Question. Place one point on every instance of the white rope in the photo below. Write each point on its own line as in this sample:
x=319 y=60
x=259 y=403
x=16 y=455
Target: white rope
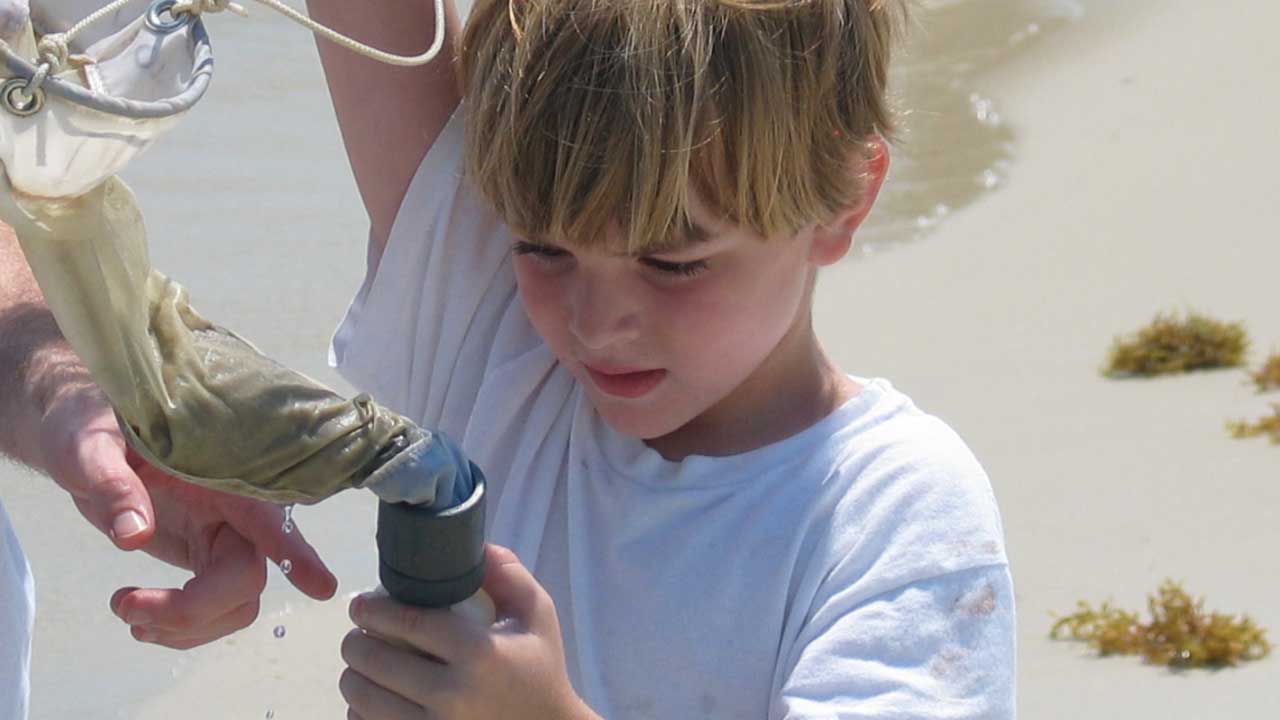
x=197 y=7
x=63 y=38
x=359 y=47
x=53 y=48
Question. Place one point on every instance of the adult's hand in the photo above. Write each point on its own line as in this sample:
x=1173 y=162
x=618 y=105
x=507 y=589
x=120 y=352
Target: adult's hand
x=222 y=539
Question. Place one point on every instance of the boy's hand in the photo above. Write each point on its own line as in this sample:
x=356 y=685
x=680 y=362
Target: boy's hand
x=513 y=668
x=221 y=538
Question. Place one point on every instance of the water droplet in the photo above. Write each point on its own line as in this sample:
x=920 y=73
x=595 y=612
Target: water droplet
x=288 y=519
x=989 y=179
x=286 y=565
x=279 y=631
x=984 y=110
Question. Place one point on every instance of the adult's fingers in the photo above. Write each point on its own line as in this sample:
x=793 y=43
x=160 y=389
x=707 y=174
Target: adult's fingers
x=238 y=619
x=233 y=575
x=263 y=525
x=106 y=489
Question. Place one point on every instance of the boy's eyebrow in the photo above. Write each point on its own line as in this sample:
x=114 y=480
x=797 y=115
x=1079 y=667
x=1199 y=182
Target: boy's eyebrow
x=695 y=235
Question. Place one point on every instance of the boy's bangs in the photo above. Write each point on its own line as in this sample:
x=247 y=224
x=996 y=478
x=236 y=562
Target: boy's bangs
x=604 y=187
x=595 y=136
x=591 y=124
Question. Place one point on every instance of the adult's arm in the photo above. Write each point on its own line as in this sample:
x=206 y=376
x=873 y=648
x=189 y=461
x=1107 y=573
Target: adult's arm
x=389 y=116
x=55 y=419
x=37 y=367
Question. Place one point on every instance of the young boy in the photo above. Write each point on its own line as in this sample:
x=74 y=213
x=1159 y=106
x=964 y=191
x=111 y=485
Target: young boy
x=598 y=280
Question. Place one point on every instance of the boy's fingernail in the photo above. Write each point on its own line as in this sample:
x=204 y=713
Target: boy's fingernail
x=139 y=617
x=145 y=635
x=127 y=524
x=356 y=607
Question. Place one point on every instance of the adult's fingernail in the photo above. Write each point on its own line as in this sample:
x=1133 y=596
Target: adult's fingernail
x=127 y=524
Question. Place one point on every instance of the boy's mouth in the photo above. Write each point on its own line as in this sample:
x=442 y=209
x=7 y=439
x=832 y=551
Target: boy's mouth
x=626 y=384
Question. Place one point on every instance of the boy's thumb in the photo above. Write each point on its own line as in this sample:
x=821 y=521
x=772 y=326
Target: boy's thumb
x=515 y=592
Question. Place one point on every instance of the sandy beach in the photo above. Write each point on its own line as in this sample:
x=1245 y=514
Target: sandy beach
x=1068 y=170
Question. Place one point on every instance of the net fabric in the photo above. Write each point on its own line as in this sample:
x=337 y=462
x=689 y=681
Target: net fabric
x=192 y=397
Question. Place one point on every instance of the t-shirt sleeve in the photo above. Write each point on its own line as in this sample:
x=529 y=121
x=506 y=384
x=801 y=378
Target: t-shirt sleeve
x=907 y=609
x=440 y=307
x=939 y=648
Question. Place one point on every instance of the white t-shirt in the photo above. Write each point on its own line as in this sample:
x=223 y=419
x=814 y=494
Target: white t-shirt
x=854 y=570
x=17 y=613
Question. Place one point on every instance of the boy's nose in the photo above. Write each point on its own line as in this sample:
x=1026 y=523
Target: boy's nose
x=601 y=316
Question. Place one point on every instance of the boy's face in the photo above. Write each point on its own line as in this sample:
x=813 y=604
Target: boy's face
x=660 y=340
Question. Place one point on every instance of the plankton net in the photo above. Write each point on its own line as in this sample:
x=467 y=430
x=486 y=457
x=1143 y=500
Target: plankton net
x=84 y=88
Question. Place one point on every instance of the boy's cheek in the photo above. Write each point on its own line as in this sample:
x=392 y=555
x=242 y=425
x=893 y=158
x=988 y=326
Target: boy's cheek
x=545 y=307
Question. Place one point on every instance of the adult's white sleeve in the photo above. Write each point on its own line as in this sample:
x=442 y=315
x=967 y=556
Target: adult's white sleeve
x=429 y=318
x=17 y=618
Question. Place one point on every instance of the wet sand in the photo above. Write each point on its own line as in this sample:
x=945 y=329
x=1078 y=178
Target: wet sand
x=1094 y=171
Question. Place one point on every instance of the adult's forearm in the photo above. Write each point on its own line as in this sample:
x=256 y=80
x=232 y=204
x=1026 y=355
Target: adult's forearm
x=37 y=366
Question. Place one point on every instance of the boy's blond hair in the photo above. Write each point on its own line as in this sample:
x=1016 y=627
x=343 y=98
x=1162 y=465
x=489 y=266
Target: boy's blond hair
x=587 y=113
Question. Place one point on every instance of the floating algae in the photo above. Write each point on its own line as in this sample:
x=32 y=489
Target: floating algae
x=1267 y=377
x=1180 y=634
x=1265 y=425
x=1173 y=345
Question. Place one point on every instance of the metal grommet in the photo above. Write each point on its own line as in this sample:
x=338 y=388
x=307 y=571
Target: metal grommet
x=160 y=17
x=17 y=100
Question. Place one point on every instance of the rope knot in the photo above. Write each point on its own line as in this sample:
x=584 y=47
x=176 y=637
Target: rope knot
x=53 y=50
x=197 y=7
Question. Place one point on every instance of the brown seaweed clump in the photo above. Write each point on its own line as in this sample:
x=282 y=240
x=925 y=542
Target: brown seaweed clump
x=1268 y=376
x=1180 y=635
x=1265 y=425
x=1172 y=345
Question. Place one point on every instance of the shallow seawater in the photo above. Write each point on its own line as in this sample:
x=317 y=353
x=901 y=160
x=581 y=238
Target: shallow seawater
x=953 y=145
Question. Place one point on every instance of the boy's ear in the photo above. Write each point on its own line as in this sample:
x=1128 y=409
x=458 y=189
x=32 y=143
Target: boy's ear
x=833 y=239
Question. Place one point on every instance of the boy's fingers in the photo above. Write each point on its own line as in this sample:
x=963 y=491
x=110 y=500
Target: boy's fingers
x=515 y=592
x=402 y=671
x=436 y=632
x=263 y=525
x=369 y=699
x=234 y=576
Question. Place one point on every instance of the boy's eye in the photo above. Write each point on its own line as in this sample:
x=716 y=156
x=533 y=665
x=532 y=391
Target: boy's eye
x=684 y=269
x=542 y=252
x=550 y=253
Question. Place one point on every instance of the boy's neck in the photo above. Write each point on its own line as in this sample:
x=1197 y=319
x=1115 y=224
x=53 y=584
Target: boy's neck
x=796 y=386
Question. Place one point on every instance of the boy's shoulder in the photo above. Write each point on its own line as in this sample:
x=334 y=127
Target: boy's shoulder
x=882 y=434
x=903 y=494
